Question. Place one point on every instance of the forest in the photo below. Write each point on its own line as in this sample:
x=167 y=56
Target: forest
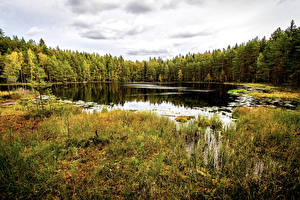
x=237 y=140
x=275 y=60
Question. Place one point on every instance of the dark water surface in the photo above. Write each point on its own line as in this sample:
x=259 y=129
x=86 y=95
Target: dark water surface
x=185 y=94
x=167 y=99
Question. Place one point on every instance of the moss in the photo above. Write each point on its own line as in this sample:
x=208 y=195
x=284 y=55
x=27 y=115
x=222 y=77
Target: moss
x=273 y=92
x=184 y=119
x=238 y=91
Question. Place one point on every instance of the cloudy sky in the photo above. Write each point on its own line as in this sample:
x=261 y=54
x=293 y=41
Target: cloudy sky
x=139 y=29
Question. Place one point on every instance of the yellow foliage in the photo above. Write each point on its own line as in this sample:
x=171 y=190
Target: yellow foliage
x=184 y=118
x=276 y=94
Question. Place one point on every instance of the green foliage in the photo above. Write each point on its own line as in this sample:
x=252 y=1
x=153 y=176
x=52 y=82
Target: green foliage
x=236 y=91
x=259 y=60
x=214 y=122
x=16 y=94
x=179 y=75
x=12 y=66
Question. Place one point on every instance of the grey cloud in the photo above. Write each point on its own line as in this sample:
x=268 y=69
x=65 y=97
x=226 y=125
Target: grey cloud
x=173 y=4
x=194 y=2
x=177 y=44
x=109 y=34
x=281 y=1
x=133 y=6
x=95 y=35
x=147 y=52
x=138 y=7
x=35 y=31
x=81 y=24
x=90 y=6
x=191 y=34
x=134 y=31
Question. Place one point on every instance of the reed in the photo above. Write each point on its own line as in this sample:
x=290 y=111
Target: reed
x=126 y=155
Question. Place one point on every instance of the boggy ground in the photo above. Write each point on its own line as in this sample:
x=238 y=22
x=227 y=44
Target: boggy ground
x=55 y=151
x=266 y=91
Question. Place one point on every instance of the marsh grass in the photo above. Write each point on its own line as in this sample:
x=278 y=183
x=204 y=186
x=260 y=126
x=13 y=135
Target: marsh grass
x=69 y=154
x=238 y=91
x=272 y=92
x=277 y=95
x=18 y=94
x=258 y=159
x=262 y=154
x=184 y=119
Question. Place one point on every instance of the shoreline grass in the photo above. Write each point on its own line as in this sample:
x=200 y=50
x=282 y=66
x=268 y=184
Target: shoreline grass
x=15 y=95
x=270 y=92
x=59 y=152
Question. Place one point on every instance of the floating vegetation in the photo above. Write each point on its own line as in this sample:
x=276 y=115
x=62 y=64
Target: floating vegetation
x=184 y=119
x=272 y=93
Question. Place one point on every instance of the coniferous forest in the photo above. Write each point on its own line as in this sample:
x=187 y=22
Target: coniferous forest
x=275 y=60
x=182 y=140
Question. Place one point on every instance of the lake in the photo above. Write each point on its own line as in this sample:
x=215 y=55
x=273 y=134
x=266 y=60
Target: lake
x=167 y=99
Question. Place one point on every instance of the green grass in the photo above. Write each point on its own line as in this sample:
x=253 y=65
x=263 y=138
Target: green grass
x=268 y=136
x=238 y=91
x=16 y=95
x=58 y=152
x=273 y=92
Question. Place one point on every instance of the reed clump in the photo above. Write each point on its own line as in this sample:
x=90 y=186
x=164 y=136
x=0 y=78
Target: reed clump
x=126 y=155
x=14 y=95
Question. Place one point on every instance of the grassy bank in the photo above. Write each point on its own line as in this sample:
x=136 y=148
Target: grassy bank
x=16 y=95
x=56 y=151
x=269 y=91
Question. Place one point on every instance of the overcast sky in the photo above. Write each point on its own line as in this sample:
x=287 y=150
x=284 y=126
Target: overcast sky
x=139 y=29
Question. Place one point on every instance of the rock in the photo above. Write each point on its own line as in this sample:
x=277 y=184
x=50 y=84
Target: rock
x=290 y=106
x=9 y=103
x=261 y=90
x=226 y=110
x=275 y=102
x=68 y=101
x=80 y=103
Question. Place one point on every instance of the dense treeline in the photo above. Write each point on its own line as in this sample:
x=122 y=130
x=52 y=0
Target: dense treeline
x=276 y=60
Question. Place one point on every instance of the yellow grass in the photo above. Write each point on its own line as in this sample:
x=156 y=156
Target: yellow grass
x=276 y=95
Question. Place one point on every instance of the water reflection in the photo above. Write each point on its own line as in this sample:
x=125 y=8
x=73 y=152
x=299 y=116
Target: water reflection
x=187 y=95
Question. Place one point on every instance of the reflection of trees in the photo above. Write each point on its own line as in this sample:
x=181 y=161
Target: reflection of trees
x=107 y=93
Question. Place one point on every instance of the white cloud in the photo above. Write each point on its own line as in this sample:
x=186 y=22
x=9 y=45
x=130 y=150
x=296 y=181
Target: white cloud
x=138 y=29
x=190 y=34
x=91 y=6
x=147 y=52
x=110 y=29
x=33 y=31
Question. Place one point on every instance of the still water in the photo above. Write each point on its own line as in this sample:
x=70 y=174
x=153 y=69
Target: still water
x=168 y=99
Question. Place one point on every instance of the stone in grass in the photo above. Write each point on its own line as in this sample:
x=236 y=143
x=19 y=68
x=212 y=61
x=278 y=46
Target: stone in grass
x=184 y=119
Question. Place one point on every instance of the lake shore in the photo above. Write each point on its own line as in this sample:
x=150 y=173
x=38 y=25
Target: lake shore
x=54 y=150
x=206 y=82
